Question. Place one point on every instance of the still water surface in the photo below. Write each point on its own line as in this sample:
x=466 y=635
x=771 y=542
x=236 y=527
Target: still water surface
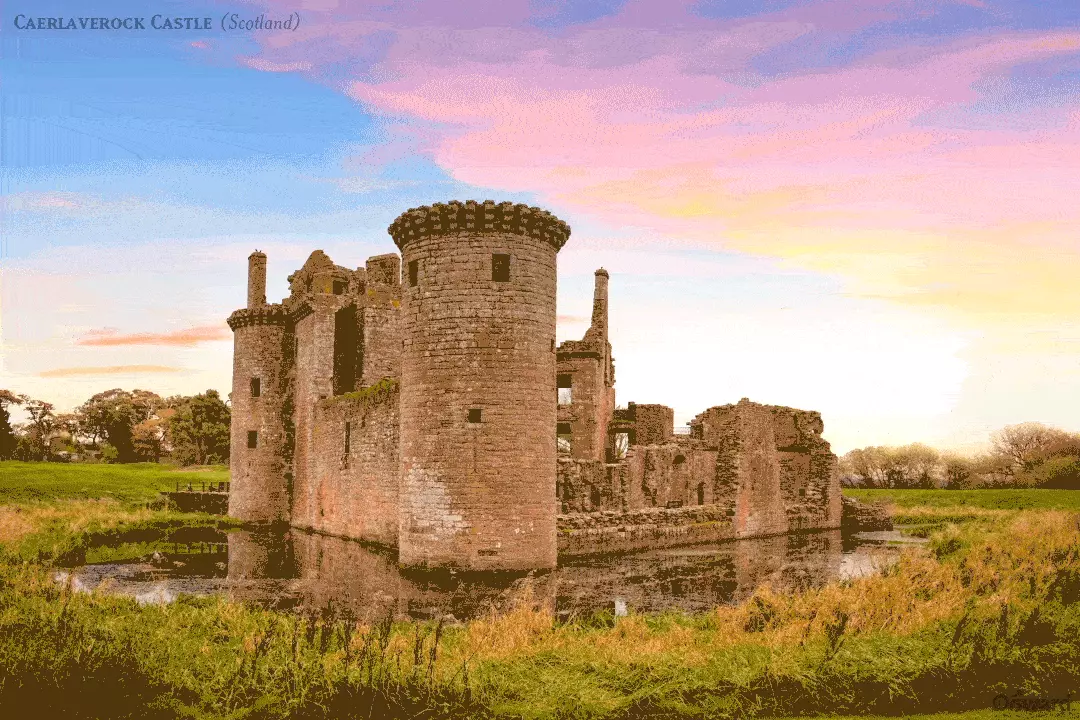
x=315 y=572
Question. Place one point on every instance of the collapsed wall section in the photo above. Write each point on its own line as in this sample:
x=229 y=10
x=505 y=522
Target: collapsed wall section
x=748 y=470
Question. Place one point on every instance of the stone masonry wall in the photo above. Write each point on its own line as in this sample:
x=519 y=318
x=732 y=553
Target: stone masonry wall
x=750 y=471
x=355 y=494
x=782 y=469
x=381 y=319
x=653 y=424
x=478 y=494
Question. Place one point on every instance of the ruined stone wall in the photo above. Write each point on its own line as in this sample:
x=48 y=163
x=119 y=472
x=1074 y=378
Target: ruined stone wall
x=670 y=475
x=591 y=406
x=653 y=424
x=610 y=531
x=312 y=381
x=381 y=319
x=318 y=291
x=478 y=494
x=782 y=471
x=354 y=492
x=259 y=492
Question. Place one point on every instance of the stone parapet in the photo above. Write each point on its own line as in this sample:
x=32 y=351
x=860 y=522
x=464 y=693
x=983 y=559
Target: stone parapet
x=264 y=315
x=471 y=216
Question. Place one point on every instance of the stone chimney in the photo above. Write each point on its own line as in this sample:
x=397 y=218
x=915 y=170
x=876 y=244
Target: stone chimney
x=256 y=279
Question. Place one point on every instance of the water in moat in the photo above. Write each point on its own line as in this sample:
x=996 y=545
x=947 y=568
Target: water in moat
x=317 y=573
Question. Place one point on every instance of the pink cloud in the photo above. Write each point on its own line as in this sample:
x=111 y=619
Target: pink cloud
x=645 y=118
x=180 y=338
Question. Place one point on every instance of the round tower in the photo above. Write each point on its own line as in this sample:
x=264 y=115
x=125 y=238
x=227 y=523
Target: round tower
x=258 y=490
x=478 y=398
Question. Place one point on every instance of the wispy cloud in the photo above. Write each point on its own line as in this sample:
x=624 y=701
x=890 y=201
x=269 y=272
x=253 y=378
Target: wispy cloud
x=109 y=370
x=110 y=337
x=268 y=66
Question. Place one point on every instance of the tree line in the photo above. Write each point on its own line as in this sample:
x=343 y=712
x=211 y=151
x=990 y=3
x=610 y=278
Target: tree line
x=1020 y=456
x=119 y=426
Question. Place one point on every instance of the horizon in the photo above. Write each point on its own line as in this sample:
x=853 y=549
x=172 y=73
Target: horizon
x=859 y=207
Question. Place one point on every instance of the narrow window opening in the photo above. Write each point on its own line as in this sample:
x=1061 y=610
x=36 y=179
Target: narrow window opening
x=253 y=438
x=475 y=415
x=621 y=445
x=346 y=350
x=414 y=272
x=256 y=387
x=594 y=496
x=564 y=438
x=500 y=268
x=566 y=393
x=701 y=494
x=348 y=436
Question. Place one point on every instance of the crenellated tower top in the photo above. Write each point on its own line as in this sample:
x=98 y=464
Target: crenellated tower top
x=472 y=216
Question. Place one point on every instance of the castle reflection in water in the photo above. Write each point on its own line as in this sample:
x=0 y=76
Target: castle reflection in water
x=316 y=571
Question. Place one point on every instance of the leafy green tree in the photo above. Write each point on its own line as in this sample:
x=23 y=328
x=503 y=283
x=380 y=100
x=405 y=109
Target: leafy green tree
x=41 y=426
x=9 y=441
x=113 y=415
x=198 y=430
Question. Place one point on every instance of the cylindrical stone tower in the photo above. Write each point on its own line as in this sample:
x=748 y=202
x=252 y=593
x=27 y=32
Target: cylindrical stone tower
x=478 y=398
x=258 y=490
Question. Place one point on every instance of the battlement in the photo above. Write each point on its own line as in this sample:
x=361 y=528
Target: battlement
x=471 y=216
x=264 y=315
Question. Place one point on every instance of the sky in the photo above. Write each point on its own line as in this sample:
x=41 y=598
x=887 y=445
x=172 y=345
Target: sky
x=862 y=207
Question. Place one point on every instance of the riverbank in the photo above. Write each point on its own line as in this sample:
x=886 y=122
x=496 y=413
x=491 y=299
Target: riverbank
x=990 y=606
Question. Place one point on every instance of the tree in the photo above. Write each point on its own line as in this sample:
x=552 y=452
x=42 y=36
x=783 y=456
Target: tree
x=147 y=439
x=1027 y=444
x=199 y=429
x=8 y=440
x=113 y=415
x=41 y=425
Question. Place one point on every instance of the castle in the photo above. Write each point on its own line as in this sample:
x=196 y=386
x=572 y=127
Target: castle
x=421 y=403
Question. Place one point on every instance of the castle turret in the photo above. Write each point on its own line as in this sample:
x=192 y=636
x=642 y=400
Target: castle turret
x=258 y=486
x=478 y=399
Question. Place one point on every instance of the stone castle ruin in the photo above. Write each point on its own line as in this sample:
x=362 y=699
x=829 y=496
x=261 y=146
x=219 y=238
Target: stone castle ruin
x=421 y=403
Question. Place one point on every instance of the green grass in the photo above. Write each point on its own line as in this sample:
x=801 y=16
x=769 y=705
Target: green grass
x=990 y=605
x=22 y=482
x=1023 y=499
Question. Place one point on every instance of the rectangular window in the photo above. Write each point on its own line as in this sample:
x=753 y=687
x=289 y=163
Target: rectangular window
x=346 y=350
x=564 y=383
x=340 y=286
x=256 y=387
x=414 y=272
x=253 y=438
x=564 y=437
x=500 y=268
x=475 y=415
x=348 y=437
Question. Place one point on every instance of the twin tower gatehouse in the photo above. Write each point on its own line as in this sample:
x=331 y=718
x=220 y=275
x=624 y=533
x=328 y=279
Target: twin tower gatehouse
x=421 y=402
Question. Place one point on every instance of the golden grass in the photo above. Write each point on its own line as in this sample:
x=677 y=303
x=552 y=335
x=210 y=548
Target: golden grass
x=1011 y=563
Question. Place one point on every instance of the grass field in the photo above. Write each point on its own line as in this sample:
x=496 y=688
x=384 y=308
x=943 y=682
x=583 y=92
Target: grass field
x=991 y=605
x=986 y=499
x=22 y=482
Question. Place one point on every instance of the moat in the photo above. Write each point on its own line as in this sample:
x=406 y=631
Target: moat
x=315 y=572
